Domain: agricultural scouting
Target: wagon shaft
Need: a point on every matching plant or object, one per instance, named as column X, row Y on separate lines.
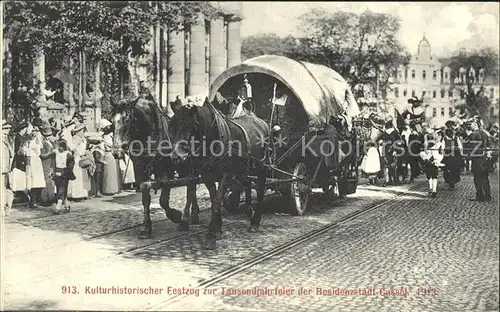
column 157, row 184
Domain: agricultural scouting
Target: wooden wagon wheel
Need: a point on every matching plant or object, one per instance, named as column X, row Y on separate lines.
column 300, row 190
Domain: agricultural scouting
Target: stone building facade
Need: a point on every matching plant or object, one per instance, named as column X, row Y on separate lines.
column 178, row 64
column 189, row 61
column 430, row 78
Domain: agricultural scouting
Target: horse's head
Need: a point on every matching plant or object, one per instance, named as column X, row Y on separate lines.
column 184, row 129
column 123, row 123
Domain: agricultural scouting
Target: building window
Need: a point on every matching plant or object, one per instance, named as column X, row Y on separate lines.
column 434, row 94
column 423, row 94
column 462, row 94
column 445, row 75
column 412, row 73
column 451, row 112
column 492, row 93
column 442, row 111
column 450, row 93
column 442, row 93
column 434, row 112
column 413, row 93
column 405, row 92
column 396, row 92
column 492, row 110
column 434, row 75
column 424, row 74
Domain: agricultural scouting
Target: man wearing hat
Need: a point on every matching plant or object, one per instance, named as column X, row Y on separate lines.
column 7, row 156
column 480, row 155
column 413, row 114
column 392, row 146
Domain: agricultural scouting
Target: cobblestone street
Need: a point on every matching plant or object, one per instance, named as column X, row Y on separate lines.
column 434, row 254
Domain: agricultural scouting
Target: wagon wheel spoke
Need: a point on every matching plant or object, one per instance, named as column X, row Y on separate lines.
column 300, row 189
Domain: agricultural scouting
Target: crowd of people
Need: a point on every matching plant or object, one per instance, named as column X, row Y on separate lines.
column 462, row 145
column 50, row 161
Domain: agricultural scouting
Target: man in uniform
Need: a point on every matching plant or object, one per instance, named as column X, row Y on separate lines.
column 479, row 156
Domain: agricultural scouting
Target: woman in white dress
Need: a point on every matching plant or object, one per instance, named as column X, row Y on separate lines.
column 76, row 188
column 35, row 178
column 371, row 162
column 127, row 170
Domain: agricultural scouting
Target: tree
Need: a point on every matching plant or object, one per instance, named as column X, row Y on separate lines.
column 290, row 46
column 363, row 48
column 105, row 30
column 484, row 62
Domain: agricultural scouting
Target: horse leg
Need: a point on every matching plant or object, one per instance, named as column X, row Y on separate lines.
column 248, row 195
column 195, row 209
column 212, row 190
column 172, row 214
column 146, row 202
column 218, row 206
column 261, row 189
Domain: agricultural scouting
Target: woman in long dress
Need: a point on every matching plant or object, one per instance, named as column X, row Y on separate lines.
column 47, row 195
column 371, row 163
column 127, row 170
column 76, row 188
column 35, row 179
column 111, row 173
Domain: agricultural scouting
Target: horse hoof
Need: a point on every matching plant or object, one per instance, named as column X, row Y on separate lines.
column 145, row 235
column 174, row 215
column 183, row 226
column 253, row 228
column 211, row 244
column 218, row 235
column 194, row 219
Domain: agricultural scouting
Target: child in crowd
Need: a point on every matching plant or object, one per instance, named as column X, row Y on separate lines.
column 432, row 158
column 65, row 163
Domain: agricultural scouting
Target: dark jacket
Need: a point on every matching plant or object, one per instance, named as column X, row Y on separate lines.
column 478, row 144
column 67, row 172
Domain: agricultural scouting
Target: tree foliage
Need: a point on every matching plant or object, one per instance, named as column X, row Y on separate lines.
column 476, row 99
column 363, row 48
column 107, row 31
column 102, row 28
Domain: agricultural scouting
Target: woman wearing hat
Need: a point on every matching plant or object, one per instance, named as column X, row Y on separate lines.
column 47, row 195
column 7, row 156
column 76, row 187
column 35, row 178
column 111, row 180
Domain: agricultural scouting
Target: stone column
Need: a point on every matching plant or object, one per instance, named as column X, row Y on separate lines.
column 39, row 82
column 7, row 77
column 234, row 36
column 164, row 71
column 71, row 91
column 197, row 83
column 156, row 59
column 176, row 59
column 97, row 91
column 217, row 50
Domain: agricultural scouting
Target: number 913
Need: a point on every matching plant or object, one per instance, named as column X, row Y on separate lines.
column 69, row 290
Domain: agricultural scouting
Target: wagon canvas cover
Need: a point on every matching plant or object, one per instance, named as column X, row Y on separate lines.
column 321, row 90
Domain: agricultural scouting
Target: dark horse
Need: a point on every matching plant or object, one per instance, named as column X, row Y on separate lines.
column 224, row 148
column 141, row 128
